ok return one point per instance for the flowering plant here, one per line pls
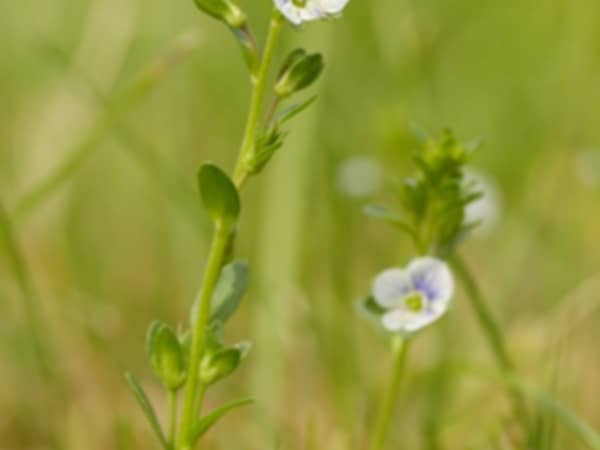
(192, 360)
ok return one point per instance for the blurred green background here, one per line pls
(102, 230)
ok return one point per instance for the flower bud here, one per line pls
(166, 356)
(298, 72)
(219, 365)
(223, 10)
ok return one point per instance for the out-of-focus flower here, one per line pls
(359, 177)
(486, 210)
(300, 11)
(587, 167)
(414, 297)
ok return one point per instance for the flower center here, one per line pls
(415, 302)
(299, 3)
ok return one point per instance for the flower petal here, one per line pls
(299, 14)
(433, 279)
(333, 6)
(391, 287)
(404, 321)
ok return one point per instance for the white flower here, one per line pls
(300, 11)
(414, 297)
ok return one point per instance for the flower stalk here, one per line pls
(242, 170)
(400, 347)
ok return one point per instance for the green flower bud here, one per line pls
(223, 10)
(299, 71)
(216, 366)
(166, 356)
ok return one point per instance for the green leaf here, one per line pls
(147, 408)
(293, 57)
(244, 347)
(302, 72)
(219, 195)
(295, 109)
(208, 421)
(230, 289)
(390, 217)
(223, 10)
(215, 367)
(166, 356)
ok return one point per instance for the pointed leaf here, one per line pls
(219, 195)
(147, 408)
(291, 112)
(208, 421)
(386, 215)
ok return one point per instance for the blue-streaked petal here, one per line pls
(432, 278)
(391, 287)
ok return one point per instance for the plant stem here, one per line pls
(211, 276)
(193, 398)
(491, 330)
(387, 407)
(172, 417)
(256, 103)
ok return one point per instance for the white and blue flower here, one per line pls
(300, 11)
(414, 297)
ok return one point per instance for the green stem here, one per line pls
(491, 330)
(193, 398)
(211, 276)
(387, 407)
(172, 418)
(256, 103)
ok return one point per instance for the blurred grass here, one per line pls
(122, 241)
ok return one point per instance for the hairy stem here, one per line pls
(391, 395)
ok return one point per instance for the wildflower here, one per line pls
(300, 11)
(414, 297)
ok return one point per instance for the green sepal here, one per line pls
(369, 309)
(219, 195)
(303, 70)
(214, 367)
(208, 421)
(147, 408)
(166, 355)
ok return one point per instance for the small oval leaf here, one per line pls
(219, 195)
